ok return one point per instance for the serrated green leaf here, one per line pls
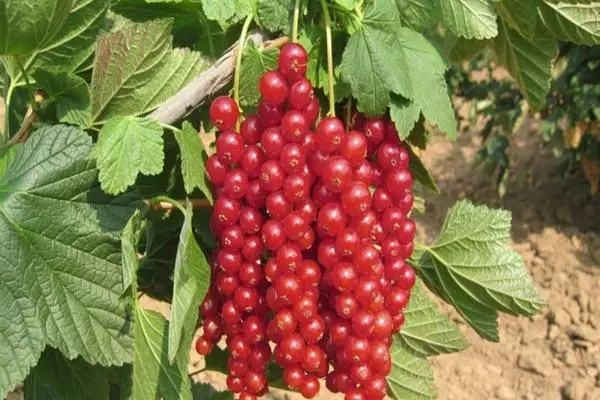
(417, 14)
(419, 136)
(70, 94)
(274, 15)
(411, 377)
(27, 25)
(191, 281)
(255, 62)
(61, 274)
(420, 172)
(577, 23)
(55, 377)
(472, 19)
(136, 69)
(528, 62)
(7, 156)
(370, 63)
(471, 266)
(405, 115)
(70, 47)
(220, 10)
(153, 376)
(427, 330)
(192, 160)
(126, 147)
(519, 15)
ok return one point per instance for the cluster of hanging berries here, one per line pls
(313, 230)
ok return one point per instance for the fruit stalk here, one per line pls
(330, 75)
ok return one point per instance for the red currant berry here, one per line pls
(271, 176)
(224, 113)
(272, 234)
(269, 115)
(203, 346)
(230, 147)
(294, 126)
(355, 148)
(293, 61)
(398, 181)
(332, 219)
(236, 184)
(301, 94)
(330, 135)
(250, 130)
(356, 199)
(310, 387)
(273, 88)
(375, 130)
(216, 170)
(337, 174)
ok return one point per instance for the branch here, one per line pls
(207, 84)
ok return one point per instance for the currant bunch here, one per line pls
(314, 232)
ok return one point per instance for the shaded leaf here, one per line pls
(420, 172)
(417, 14)
(274, 15)
(405, 115)
(519, 15)
(528, 62)
(55, 377)
(69, 92)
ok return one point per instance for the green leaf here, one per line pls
(472, 19)
(7, 156)
(274, 15)
(348, 4)
(417, 14)
(55, 377)
(528, 62)
(70, 47)
(69, 92)
(420, 172)
(136, 70)
(472, 267)
(61, 268)
(220, 10)
(427, 330)
(374, 55)
(577, 23)
(153, 376)
(191, 281)
(129, 254)
(192, 160)
(126, 147)
(405, 115)
(370, 63)
(411, 377)
(519, 15)
(27, 25)
(255, 62)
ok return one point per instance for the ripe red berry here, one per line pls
(250, 130)
(398, 181)
(355, 148)
(271, 176)
(293, 61)
(310, 387)
(337, 174)
(294, 126)
(330, 135)
(273, 88)
(356, 199)
(301, 94)
(375, 130)
(203, 346)
(224, 113)
(332, 219)
(230, 147)
(293, 376)
(216, 170)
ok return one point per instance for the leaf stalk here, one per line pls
(296, 20)
(238, 63)
(330, 73)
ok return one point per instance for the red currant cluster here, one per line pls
(313, 234)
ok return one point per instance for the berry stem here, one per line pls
(166, 203)
(295, 23)
(32, 101)
(238, 63)
(348, 113)
(330, 75)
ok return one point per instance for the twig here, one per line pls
(197, 372)
(166, 206)
(207, 84)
